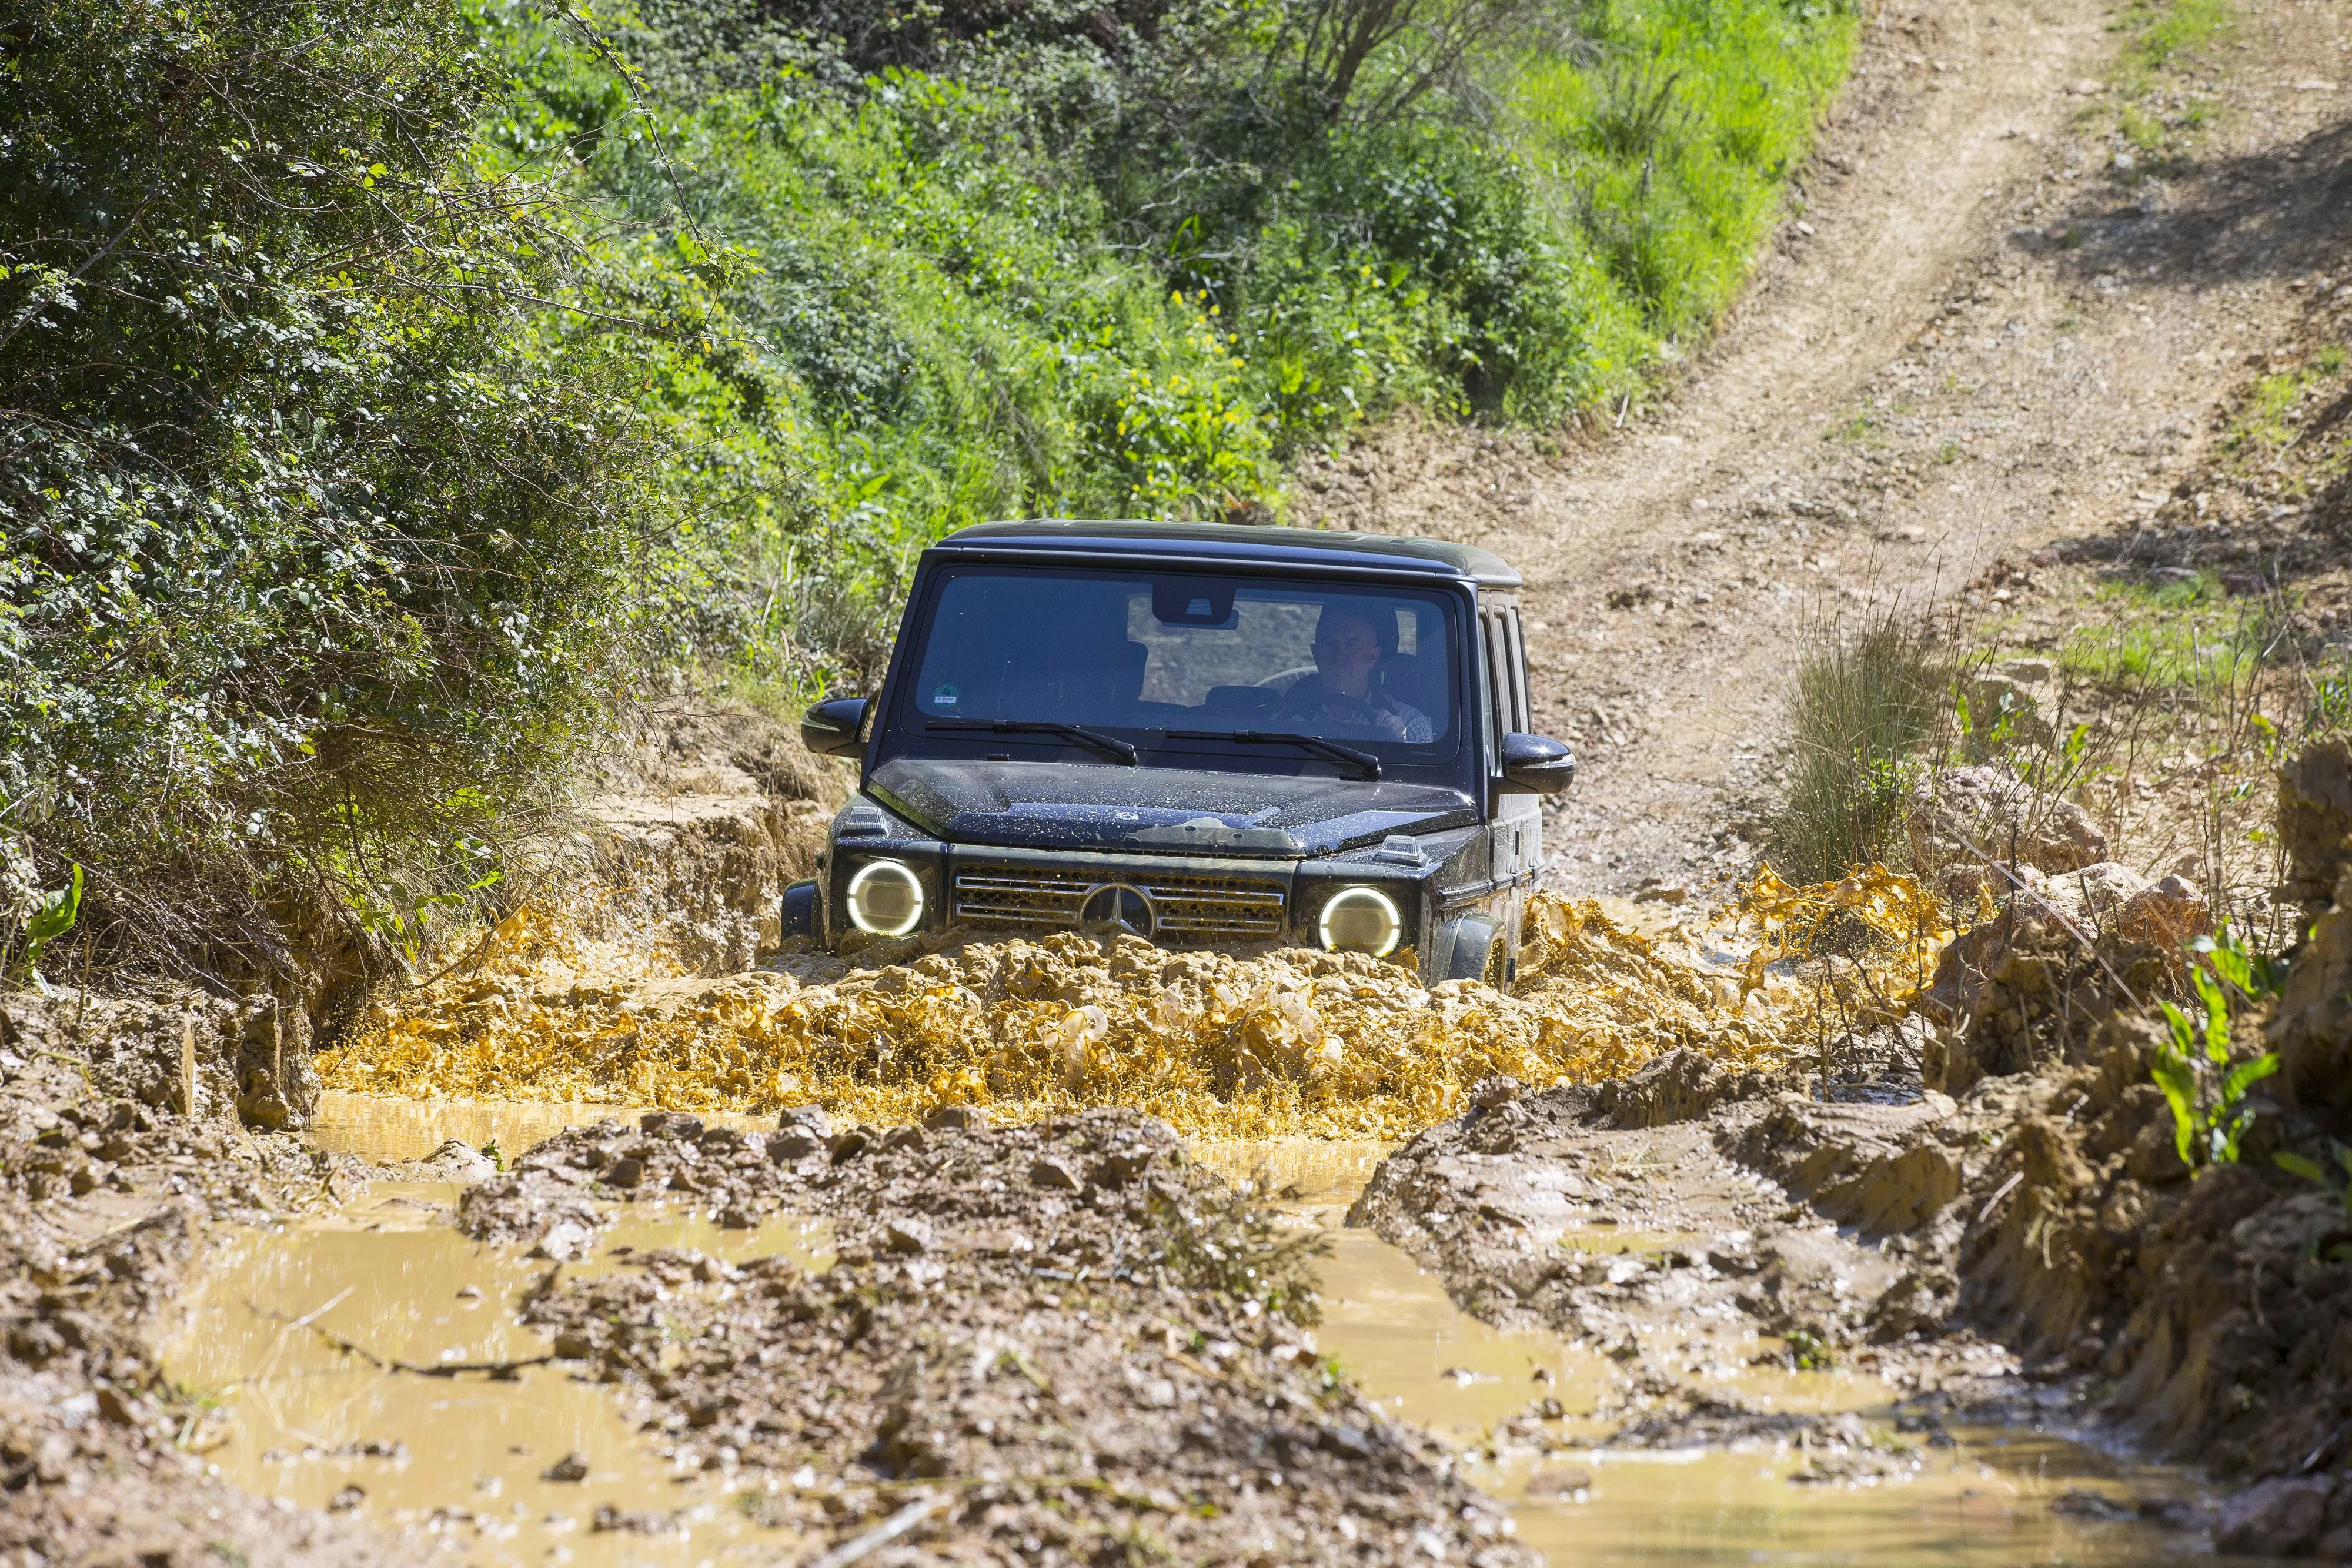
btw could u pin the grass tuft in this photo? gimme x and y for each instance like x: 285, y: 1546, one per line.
x: 1867, y: 699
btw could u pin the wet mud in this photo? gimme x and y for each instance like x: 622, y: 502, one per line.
x: 1256, y: 1043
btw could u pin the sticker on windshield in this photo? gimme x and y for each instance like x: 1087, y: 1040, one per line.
x: 944, y: 695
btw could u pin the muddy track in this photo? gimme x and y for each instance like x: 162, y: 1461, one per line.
x: 1975, y: 337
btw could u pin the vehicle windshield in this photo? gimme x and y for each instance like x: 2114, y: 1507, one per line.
x: 1182, y: 656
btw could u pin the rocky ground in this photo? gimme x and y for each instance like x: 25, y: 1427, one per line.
x: 1056, y: 1342
x: 1984, y: 1203
x: 106, y: 1202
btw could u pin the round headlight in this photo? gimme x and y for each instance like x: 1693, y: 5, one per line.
x: 885, y: 899
x: 1361, y: 920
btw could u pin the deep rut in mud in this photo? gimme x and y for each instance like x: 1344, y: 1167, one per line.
x: 645, y: 1445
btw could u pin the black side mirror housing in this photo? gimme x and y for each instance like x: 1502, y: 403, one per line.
x: 1538, y: 764
x: 832, y: 726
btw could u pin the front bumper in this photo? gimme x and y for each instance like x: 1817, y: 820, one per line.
x: 1192, y: 901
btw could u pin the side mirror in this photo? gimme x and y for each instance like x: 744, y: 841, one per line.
x: 1538, y: 764
x: 831, y: 728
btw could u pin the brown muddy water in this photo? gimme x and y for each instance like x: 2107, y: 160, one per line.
x: 465, y: 1459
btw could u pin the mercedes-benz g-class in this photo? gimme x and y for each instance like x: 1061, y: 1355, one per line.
x: 1201, y: 733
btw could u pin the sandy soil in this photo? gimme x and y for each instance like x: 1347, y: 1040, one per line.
x: 1977, y: 337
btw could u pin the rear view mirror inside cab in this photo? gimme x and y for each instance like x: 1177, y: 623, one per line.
x: 1192, y: 601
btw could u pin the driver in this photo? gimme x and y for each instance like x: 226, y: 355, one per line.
x: 1340, y: 692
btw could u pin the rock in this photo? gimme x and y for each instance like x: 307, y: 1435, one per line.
x: 1053, y: 1176
x: 956, y: 1118
x: 792, y: 1144
x: 1658, y: 890
x: 908, y: 1236
x: 2279, y: 1518
x: 2314, y: 822
x: 2167, y: 915
x: 1501, y: 1089
x: 810, y: 1120
x: 670, y: 1124
x: 848, y: 1144
x: 2094, y: 896
x: 1117, y: 1170
x: 347, y: 1498
x: 571, y: 1467
x: 625, y: 1172
x: 2312, y: 1030
x: 905, y: 1138
x: 1963, y: 816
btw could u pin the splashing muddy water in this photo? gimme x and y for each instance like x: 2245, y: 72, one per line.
x: 466, y: 1459
x: 1269, y: 1042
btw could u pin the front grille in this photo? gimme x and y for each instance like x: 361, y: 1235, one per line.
x: 1199, y: 907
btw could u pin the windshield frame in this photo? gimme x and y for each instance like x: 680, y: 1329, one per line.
x: 1454, y: 760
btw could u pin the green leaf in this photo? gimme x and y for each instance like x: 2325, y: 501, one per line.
x: 2234, y: 1087
x: 57, y: 913
x: 2302, y: 1165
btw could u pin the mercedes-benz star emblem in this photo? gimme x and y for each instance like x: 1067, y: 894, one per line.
x: 1117, y: 907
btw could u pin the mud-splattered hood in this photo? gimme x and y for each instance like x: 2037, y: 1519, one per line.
x: 1170, y: 810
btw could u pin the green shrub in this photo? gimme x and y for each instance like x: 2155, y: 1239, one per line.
x: 317, y: 525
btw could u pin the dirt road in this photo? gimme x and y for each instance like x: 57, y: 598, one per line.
x: 1980, y: 332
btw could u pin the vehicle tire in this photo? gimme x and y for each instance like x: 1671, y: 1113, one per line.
x: 798, y: 912
x: 1469, y: 948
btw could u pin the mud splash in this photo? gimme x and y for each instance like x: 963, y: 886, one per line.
x: 1272, y: 1043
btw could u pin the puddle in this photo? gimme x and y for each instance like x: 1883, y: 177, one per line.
x: 386, y: 1273
x: 1984, y: 1504
x: 384, y: 1130
x: 461, y: 1458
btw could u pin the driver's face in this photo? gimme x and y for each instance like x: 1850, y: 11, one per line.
x: 1345, y: 651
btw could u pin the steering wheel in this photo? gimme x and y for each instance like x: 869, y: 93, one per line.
x: 1358, y: 710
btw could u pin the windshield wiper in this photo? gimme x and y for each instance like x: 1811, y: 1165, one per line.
x: 1109, y: 744
x: 1366, y: 765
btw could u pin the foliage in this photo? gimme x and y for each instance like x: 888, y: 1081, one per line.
x: 1666, y: 129
x: 317, y: 521
x: 52, y: 915
x: 393, y: 387
x: 1865, y: 699
x: 1037, y: 259
x: 2206, y: 1092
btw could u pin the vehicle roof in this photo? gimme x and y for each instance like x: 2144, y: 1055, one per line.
x: 1248, y: 544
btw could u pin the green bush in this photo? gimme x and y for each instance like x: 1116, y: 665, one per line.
x: 317, y: 524
x: 1040, y: 259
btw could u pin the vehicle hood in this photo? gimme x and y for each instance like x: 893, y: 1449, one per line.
x: 1059, y: 805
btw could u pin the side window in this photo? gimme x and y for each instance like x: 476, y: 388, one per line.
x: 1499, y: 664
x: 1523, y: 718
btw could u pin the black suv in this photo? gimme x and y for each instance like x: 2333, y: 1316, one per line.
x: 1201, y: 733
